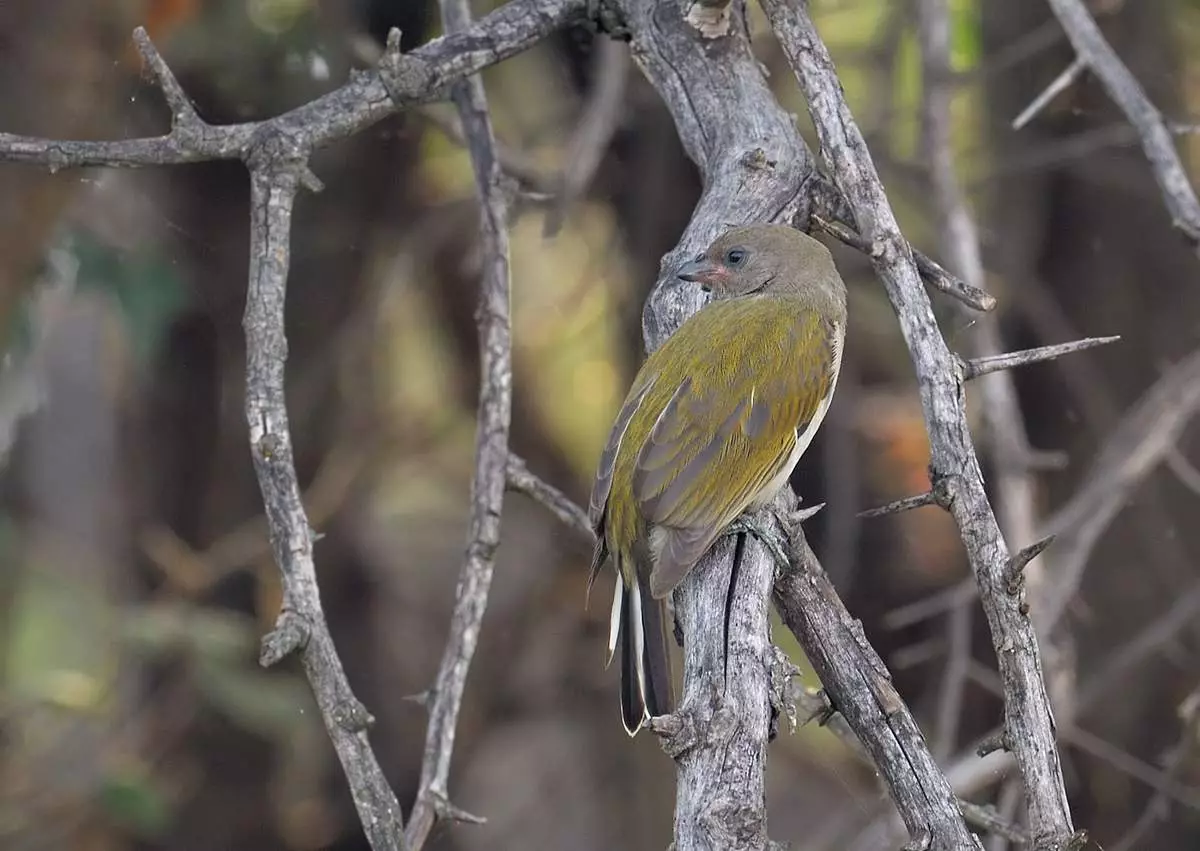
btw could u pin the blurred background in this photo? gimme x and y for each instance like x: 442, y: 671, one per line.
x: 135, y: 576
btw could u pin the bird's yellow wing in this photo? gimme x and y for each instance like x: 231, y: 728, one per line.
x: 728, y: 431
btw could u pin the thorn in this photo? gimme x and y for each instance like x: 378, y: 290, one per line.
x: 310, y: 181
x: 448, y: 811
x: 802, y: 514
x: 392, y: 48
x: 900, y: 505
x: 421, y: 698
x: 1013, y: 576
x: 982, y: 366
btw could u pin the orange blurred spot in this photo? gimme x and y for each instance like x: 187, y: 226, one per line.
x: 161, y: 18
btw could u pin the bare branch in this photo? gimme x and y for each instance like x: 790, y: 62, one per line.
x: 976, y: 367
x: 897, y: 506
x: 491, y: 449
x: 520, y: 479
x: 601, y: 118
x: 1057, y: 86
x: 301, y: 626
x: 953, y: 463
x: 756, y: 168
x: 931, y: 272
x: 860, y: 688
x: 417, y: 77
x: 183, y: 114
x: 1125, y: 91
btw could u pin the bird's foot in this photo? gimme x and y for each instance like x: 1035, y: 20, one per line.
x: 776, y: 544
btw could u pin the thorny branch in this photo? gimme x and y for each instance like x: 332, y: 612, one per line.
x: 1093, y: 50
x: 400, y: 81
x: 860, y: 687
x: 491, y: 449
x: 1005, y: 424
x: 276, y: 152
x: 954, y: 466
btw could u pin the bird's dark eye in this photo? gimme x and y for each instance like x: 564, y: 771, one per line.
x: 736, y: 256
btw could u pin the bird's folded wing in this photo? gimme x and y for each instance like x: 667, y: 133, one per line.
x: 728, y: 431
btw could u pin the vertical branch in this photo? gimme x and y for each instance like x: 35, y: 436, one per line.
x: 301, y: 625
x: 491, y: 449
x: 954, y: 467
x: 1013, y: 484
x: 755, y: 167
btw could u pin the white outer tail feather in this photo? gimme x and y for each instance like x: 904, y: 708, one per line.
x: 614, y: 620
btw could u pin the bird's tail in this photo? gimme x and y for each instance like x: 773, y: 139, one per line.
x: 637, y: 619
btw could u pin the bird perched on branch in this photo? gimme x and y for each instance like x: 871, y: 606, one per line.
x: 713, y: 425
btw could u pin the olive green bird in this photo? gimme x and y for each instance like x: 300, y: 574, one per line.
x: 713, y: 425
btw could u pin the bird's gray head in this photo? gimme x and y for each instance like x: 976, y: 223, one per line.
x: 763, y: 258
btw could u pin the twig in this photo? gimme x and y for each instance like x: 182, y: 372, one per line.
x: 301, y: 626
x: 276, y: 153
x: 897, y: 506
x: 861, y: 689
x: 520, y: 479
x: 599, y: 123
x: 976, y: 367
x: 931, y: 272
x: 417, y: 77
x: 1057, y: 86
x: 491, y: 450
x: 1028, y: 717
x: 1125, y: 91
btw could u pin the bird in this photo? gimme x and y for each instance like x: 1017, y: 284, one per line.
x: 713, y: 425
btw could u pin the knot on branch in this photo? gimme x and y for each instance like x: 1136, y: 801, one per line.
x: 944, y: 489
x: 352, y: 716
x: 275, y: 150
x: 605, y: 16
x: 290, y: 635
x: 733, y: 825
x: 705, y: 721
x: 405, y: 78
